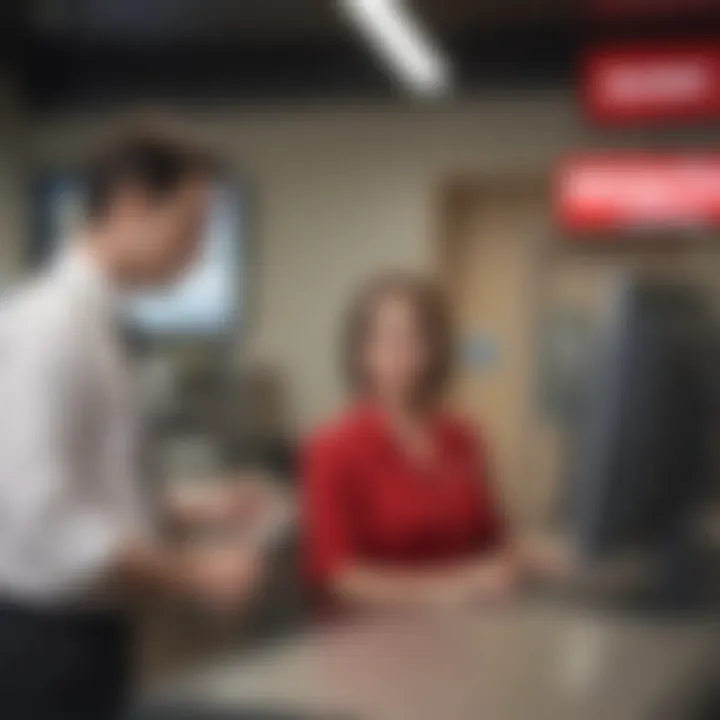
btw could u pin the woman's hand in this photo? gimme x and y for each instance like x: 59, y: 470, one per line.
x: 547, y: 558
x: 451, y: 588
x: 494, y: 578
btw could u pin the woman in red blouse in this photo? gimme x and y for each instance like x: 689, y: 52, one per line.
x: 398, y: 509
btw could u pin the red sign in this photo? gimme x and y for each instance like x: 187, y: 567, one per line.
x: 645, y: 84
x: 598, y: 193
x: 650, y: 8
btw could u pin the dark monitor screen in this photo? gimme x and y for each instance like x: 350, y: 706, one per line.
x: 641, y: 446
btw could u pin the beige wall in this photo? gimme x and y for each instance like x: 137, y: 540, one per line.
x: 340, y: 192
x: 12, y: 209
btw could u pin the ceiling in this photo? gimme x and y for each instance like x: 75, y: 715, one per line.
x: 274, y: 20
x: 259, y: 20
x: 176, y: 21
x: 98, y: 51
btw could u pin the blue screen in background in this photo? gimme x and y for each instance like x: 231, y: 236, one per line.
x: 206, y: 301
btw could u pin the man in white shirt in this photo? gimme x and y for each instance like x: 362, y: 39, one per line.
x: 76, y: 536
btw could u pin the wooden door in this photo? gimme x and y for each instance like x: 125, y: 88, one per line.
x: 492, y: 263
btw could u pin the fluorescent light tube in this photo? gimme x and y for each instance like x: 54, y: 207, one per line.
x: 400, y: 42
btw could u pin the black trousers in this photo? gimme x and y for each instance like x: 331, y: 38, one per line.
x: 62, y: 665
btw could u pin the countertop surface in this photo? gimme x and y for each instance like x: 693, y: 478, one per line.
x: 531, y: 661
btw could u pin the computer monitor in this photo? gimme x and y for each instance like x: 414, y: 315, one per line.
x: 641, y: 449
x: 206, y: 303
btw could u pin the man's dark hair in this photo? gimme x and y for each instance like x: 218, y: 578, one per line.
x: 153, y: 161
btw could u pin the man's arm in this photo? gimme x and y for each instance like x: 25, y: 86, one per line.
x: 64, y: 542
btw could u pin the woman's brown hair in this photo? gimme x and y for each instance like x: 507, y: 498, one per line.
x: 433, y: 319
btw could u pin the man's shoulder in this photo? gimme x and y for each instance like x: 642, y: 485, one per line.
x: 39, y: 310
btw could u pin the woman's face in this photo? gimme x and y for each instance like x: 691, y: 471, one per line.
x: 396, y: 353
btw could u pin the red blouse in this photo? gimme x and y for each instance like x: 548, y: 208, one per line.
x: 366, y: 501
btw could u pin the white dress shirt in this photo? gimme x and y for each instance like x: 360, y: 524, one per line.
x: 69, y: 485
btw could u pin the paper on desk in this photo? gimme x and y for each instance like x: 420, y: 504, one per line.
x: 582, y: 656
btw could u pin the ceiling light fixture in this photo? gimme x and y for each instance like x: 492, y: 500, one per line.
x: 400, y: 42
